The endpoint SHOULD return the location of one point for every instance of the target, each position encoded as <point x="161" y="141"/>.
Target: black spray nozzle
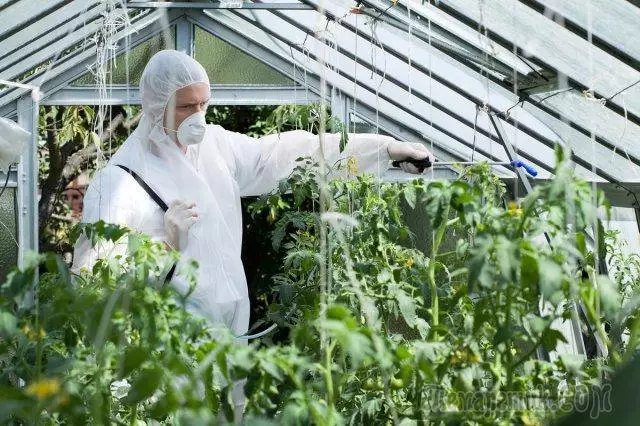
<point x="420" y="164"/>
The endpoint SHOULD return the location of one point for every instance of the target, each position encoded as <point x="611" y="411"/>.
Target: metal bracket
<point x="185" y="37"/>
<point x="28" y="180"/>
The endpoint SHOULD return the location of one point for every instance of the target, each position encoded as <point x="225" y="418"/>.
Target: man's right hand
<point x="177" y="220"/>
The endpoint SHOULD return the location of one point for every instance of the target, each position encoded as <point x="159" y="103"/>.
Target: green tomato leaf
<point x="464" y="380"/>
<point x="609" y="297"/>
<point x="371" y="408"/>
<point x="529" y="268"/>
<point x="462" y="245"/>
<point x="12" y="401"/>
<point x="407" y="306"/>
<point x="410" y="195"/>
<point x="133" y="358"/>
<point x="506" y="258"/>
<point x="479" y="268"/>
<point x="8" y="325"/>
<point x="550" y="339"/>
<point x="502" y="335"/>
<point x="551" y="276"/>
<point x="144" y="385"/>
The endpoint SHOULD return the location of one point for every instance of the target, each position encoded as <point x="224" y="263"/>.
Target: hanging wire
<point x="623" y="90"/>
<point x="410" y="51"/>
<point x="355" y="75"/>
<point x="483" y="35"/>
<point x="516" y="187"/>
<point x="325" y="247"/>
<point x="475" y="132"/>
<point x="429" y="64"/>
<point x="376" y="43"/>
<point x="589" y="95"/>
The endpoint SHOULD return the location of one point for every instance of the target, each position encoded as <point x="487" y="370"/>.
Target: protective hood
<point x="221" y="292"/>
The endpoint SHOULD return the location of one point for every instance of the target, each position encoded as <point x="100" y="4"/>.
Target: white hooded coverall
<point x="214" y="174"/>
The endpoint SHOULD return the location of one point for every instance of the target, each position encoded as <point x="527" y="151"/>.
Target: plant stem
<point x="507" y="325"/>
<point x="633" y="341"/>
<point x="39" y="340"/>
<point x="595" y="319"/>
<point x="317" y="417"/>
<point x="530" y="352"/>
<point x="329" y="379"/>
<point x="432" y="270"/>
<point x="134" y="416"/>
<point x="417" y="403"/>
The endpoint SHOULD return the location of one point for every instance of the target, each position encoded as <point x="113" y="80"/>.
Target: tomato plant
<point x="379" y="331"/>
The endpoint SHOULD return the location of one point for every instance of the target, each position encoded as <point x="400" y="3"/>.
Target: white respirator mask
<point x="191" y="131"/>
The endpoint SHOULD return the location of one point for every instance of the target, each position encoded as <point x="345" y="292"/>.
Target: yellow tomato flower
<point x="43" y="389"/>
<point x="528" y="421"/>
<point x="408" y="263"/>
<point x="474" y="358"/>
<point x="32" y="335"/>
<point x="514" y="210"/>
<point x="352" y="166"/>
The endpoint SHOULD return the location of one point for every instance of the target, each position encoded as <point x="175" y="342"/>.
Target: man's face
<point x="185" y="102"/>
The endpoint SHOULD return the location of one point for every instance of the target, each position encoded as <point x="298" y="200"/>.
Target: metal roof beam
<point x="428" y="16"/>
<point x="215" y="5"/>
<point x="220" y="95"/>
<point x="580" y="116"/>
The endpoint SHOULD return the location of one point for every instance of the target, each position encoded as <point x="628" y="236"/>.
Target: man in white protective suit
<point x="200" y="171"/>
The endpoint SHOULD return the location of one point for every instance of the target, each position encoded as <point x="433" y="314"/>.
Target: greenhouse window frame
<point x="213" y="5"/>
<point x="220" y="95"/>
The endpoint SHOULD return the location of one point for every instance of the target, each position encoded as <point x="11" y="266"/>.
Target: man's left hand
<point x="399" y="151"/>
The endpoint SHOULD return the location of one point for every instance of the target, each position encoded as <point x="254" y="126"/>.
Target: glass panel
<point x="226" y="64"/>
<point x="138" y="58"/>
<point x="595" y="117"/>
<point x="8" y="247"/>
<point x="624" y="221"/>
<point x="567" y="52"/>
<point x="429" y="13"/>
<point x="615" y="21"/>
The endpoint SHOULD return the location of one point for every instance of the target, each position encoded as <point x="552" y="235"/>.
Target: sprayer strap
<point x="155" y="197"/>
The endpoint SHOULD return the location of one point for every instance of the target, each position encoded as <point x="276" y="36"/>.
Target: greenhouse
<point x="320" y="212"/>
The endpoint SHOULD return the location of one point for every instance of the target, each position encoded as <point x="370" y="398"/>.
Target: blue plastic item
<point x="529" y="168"/>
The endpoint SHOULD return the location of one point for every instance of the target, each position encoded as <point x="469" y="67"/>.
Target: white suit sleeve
<point x="108" y="198"/>
<point x="261" y="163"/>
